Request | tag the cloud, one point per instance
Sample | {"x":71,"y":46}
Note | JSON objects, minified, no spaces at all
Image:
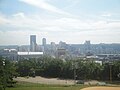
{"x":20,"y":21}
{"x":44,"y":5}
{"x":20,"y":14}
{"x":71,"y":30}
{"x":22,"y":37}
{"x":106,"y":15}
{"x":3,"y":19}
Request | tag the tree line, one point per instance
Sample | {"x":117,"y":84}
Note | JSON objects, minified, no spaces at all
{"x":52,"y":67}
{"x":70,"y":69}
{"x":7,"y":72}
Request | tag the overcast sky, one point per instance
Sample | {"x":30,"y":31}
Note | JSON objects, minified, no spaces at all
{"x":71,"y":21}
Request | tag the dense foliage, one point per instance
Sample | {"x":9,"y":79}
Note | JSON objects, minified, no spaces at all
{"x":7,"y":72}
{"x":71,"y":69}
{"x":52,"y":67}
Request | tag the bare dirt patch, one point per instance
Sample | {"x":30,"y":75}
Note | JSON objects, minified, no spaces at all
{"x":42,"y":80}
{"x":102,"y":88}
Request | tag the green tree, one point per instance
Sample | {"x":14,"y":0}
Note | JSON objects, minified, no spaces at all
{"x":7,"y":72}
{"x":25,"y":67}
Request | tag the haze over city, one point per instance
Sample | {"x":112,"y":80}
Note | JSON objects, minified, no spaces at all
{"x":72,"y":21}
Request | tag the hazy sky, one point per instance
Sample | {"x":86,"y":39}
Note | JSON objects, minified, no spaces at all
{"x":72,"y":21}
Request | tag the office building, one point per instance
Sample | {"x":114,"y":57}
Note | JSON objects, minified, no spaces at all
{"x":87,"y":46}
{"x":33,"y":43}
{"x":44,"y":45}
{"x":27,"y":55}
{"x":44,"y":41}
{"x":61,"y":53}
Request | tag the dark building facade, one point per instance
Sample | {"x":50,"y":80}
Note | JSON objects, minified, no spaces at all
{"x":33,"y":43}
{"x":44,"y":41}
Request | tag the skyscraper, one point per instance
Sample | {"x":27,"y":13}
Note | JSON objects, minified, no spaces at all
{"x":44,"y":42}
{"x":44,"y":45}
{"x":33,"y":43}
{"x":87,"y":46}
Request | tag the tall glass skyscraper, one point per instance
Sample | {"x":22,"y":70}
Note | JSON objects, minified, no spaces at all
{"x":44,"y":41}
{"x":44,"y":44}
{"x":33,"y":43}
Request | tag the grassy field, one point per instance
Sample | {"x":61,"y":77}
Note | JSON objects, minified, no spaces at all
{"x":32,"y":86}
{"x":44,"y":88}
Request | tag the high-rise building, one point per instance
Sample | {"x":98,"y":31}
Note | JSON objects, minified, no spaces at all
{"x":61,"y":53}
{"x":33,"y":43}
{"x":62,"y":44}
{"x":87,"y":42}
{"x":44,"y":41}
{"x":87,"y":46}
{"x":44,"y":45}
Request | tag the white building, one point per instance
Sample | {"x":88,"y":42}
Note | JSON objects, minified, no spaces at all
{"x":27,"y":55}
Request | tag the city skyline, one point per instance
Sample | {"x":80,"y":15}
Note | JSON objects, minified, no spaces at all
{"x":71,"y":21}
{"x":33,"y":41}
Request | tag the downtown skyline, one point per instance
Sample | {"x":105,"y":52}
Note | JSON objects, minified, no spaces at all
{"x":71,"y":21}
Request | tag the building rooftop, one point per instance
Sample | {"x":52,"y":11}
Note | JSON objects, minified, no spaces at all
{"x":30,"y":53}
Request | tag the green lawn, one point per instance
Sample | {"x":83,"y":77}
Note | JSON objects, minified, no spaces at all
{"x":31,"y":86}
{"x":44,"y":88}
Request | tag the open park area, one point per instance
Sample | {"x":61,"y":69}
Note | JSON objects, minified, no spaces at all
{"x":40,"y":83}
{"x":55,"y":74}
{"x":42,"y":80}
{"x":34,"y":86}
{"x":37,"y":86}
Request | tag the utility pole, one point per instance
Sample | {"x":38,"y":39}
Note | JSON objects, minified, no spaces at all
{"x":4,"y":76}
{"x":74,"y":75}
{"x":110,"y":66}
{"x":74,"y":68}
{"x":110,"y":74}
